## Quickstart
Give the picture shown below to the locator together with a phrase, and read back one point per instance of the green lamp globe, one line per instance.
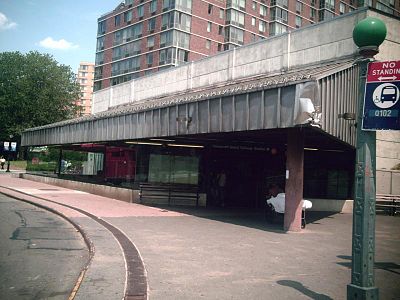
(369, 32)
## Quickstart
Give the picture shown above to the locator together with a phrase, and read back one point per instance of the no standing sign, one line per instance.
(382, 92)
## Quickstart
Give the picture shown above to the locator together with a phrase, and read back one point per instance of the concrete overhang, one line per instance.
(256, 103)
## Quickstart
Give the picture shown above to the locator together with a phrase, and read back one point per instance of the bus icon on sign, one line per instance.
(385, 95)
(389, 93)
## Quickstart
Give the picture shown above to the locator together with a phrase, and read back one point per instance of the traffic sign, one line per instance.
(381, 99)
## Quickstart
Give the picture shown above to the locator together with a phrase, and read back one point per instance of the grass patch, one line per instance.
(18, 164)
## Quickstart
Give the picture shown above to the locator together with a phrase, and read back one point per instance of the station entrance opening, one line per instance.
(225, 169)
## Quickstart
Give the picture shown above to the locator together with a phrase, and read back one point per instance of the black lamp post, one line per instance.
(8, 155)
(368, 34)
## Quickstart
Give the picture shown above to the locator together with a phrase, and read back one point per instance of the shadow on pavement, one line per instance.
(303, 289)
(252, 218)
(387, 266)
(313, 216)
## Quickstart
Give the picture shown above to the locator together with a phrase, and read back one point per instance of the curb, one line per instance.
(136, 284)
(88, 241)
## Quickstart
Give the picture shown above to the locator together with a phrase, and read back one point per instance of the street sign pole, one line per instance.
(367, 35)
(363, 249)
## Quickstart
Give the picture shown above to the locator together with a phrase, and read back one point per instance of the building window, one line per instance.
(84, 67)
(210, 7)
(235, 17)
(325, 15)
(263, 10)
(167, 20)
(150, 41)
(182, 56)
(166, 38)
(83, 74)
(117, 20)
(254, 5)
(328, 4)
(168, 4)
(140, 11)
(234, 35)
(98, 73)
(384, 7)
(126, 50)
(136, 30)
(176, 19)
(262, 26)
(238, 4)
(123, 78)
(208, 26)
(99, 58)
(221, 13)
(100, 44)
(125, 66)
(182, 21)
(219, 47)
(127, 34)
(173, 37)
(277, 28)
(153, 6)
(283, 3)
(208, 44)
(173, 169)
(149, 59)
(253, 21)
(97, 86)
(313, 13)
(279, 14)
(128, 16)
(181, 39)
(298, 21)
(151, 24)
(166, 56)
(184, 5)
(220, 30)
(101, 28)
(299, 7)
(341, 8)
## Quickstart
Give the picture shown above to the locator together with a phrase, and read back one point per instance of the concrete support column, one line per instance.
(294, 179)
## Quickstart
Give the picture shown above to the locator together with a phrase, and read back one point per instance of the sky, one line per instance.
(66, 29)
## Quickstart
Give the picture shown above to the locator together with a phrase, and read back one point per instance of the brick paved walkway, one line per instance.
(202, 254)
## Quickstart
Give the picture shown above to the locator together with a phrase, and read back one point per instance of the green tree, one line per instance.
(34, 90)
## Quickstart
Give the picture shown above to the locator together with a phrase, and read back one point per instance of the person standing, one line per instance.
(2, 162)
(221, 180)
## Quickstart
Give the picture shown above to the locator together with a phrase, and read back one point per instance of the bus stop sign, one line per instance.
(381, 99)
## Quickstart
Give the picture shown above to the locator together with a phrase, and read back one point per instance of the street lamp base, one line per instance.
(355, 292)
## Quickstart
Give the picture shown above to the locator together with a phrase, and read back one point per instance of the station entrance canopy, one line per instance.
(313, 96)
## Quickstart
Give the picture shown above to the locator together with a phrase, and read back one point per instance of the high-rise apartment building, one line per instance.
(85, 79)
(144, 36)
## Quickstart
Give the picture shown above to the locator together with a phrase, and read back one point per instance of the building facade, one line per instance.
(85, 79)
(239, 112)
(141, 37)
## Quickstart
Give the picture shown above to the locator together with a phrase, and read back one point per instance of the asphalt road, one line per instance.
(41, 254)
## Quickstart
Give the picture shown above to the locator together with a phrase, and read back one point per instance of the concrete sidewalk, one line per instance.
(211, 254)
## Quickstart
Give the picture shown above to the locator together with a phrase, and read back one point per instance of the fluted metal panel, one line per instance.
(262, 109)
(338, 94)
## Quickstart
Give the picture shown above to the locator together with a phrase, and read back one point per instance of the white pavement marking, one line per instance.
(47, 191)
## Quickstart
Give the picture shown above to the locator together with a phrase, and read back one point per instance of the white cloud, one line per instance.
(61, 44)
(5, 23)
